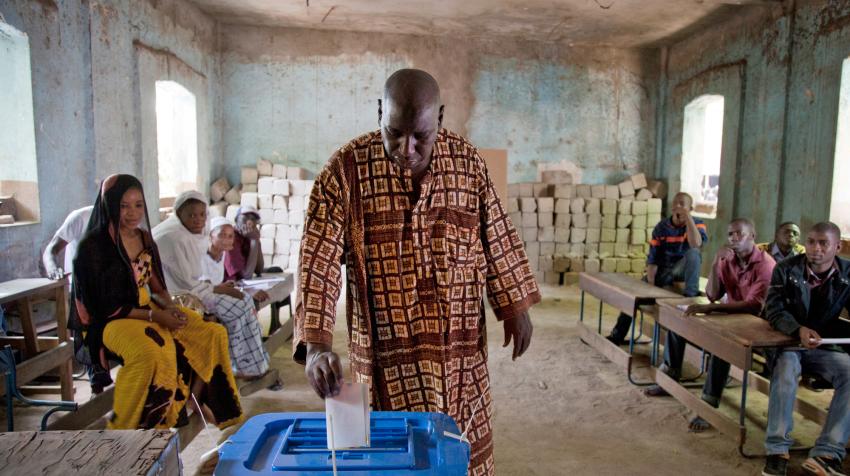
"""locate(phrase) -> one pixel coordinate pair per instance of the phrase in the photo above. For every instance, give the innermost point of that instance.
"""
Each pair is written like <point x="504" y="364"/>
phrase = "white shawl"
<point x="181" y="252"/>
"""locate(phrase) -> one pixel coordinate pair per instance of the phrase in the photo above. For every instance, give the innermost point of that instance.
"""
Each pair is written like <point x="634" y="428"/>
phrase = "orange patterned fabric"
<point x="416" y="276"/>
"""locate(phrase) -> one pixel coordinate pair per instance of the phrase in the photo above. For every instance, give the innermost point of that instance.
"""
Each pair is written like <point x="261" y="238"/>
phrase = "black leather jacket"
<point x="789" y="298"/>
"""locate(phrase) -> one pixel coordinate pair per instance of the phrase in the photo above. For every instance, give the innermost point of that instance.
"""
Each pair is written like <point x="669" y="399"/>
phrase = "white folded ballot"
<point x="838" y="340"/>
<point x="347" y="417"/>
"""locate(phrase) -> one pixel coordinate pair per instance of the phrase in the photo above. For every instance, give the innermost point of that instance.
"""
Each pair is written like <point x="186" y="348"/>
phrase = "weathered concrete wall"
<point x="780" y="71"/>
<point x="87" y="98"/>
<point x="299" y="94"/>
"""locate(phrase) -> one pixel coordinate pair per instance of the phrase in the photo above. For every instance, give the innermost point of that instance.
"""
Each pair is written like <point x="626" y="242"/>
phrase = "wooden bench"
<point x="91" y="415"/>
<point x="626" y="294"/>
<point x="733" y="338"/>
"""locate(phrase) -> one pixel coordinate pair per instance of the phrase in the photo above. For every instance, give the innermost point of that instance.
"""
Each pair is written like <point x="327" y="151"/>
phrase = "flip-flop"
<point x="698" y="425"/>
<point x="655" y="391"/>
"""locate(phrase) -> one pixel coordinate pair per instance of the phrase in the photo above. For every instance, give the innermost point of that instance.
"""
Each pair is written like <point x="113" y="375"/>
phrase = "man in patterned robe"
<point x="412" y="212"/>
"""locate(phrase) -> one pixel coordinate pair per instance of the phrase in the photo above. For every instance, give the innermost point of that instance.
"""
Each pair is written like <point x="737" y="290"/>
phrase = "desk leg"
<point x="30" y="335"/>
<point x="745" y="383"/>
<point x="581" y="309"/>
<point x="653" y="356"/>
<point x="599" y="325"/>
<point x="631" y="352"/>
<point x="66" y="370"/>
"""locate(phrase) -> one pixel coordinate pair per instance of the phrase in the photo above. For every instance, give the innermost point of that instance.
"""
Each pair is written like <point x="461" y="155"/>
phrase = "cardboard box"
<point x="563" y="249"/>
<point x="591" y="250"/>
<point x="547" y="248"/>
<point x="526" y="190"/>
<point x="576" y="250"/>
<point x="657" y="188"/>
<point x="577" y="265"/>
<point x="545" y="263"/>
<point x="557" y="177"/>
<point x="638" y="265"/>
<point x="512" y="205"/>
<point x="296" y="173"/>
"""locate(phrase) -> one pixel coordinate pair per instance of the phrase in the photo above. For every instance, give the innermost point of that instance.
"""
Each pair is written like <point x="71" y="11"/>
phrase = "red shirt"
<point x="234" y="260"/>
<point x="748" y="283"/>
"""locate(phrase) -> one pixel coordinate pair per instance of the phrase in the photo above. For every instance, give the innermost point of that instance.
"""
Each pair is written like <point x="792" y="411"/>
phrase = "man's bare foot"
<point x="698" y="425"/>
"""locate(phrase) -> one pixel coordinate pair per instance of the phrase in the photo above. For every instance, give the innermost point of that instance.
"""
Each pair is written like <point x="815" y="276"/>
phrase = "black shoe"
<point x="776" y="465"/>
<point x="655" y="391"/>
<point x="824" y="466"/>
<point x="618" y="341"/>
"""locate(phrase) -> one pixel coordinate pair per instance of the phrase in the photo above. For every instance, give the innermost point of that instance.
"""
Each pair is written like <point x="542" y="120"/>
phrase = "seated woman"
<point x="183" y="242"/>
<point x="123" y="304"/>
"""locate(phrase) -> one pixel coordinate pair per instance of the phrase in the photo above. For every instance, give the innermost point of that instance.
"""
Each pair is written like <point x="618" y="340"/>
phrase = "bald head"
<point x="411" y="116"/>
<point x="412" y="88"/>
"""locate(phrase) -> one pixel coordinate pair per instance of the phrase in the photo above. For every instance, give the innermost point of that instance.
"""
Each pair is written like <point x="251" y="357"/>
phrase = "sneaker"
<point x="775" y="465"/>
<point x="824" y="466"/>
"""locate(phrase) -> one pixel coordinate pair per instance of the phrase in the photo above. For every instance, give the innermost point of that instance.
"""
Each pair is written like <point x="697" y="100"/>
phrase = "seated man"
<point x="182" y="244"/>
<point x="807" y="293"/>
<point x="65" y="238"/>
<point x="246" y="258"/>
<point x="785" y="242"/>
<point x="674" y="254"/>
<point x="740" y="273"/>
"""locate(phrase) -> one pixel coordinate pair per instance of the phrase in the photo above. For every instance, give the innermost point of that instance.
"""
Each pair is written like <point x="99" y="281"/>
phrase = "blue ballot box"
<point x="290" y="444"/>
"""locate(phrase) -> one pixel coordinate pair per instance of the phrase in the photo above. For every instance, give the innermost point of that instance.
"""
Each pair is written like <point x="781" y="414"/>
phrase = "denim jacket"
<point x="789" y="298"/>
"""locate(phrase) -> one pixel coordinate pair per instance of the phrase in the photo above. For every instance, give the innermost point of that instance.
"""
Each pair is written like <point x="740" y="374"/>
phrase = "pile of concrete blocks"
<point x="280" y="194"/>
<point x="569" y="228"/>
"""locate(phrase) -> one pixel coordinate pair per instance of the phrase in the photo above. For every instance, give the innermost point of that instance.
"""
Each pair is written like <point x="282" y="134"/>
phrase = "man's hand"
<point x="809" y="338"/>
<point x="681" y="213"/>
<point x="261" y="296"/>
<point x="173" y="319"/>
<point x="694" y="309"/>
<point x="519" y="329"/>
<point x="323" y="370"/>
<point x="55" y="273"/>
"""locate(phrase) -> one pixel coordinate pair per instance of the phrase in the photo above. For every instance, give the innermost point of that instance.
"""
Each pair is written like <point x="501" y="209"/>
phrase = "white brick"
<point x="282" y="233"/>
<point x="643" y="195"/>
<point x="638" y="181"/>
<point x="232" y="210"/>
<point x="265" y="185"/>
<point x="296" y="173"/>
<point x="294" y="247"/>
<point x="624" y="207"/>
<point x="579" y="220"/>
<point x="545" y="219"/>
<point x="623" y="221"/>
<point x="248" y="200"/>
<point x="513" y="190"/>
<point x="562" y="249"/>
<point x="609" y="221"/>
<point x="545" y="204"/>
<point x="296" y="217"/>
<point x="296" y="203"/>
<point x="267" y="245"/>
<point x="546" y="234"/>
<point x="638" y="237"/>
<point x="612" y="192"/>
<point x="591" y="265"/>
<point x="526" y="190"/>
<point x="609" y="207"/>
<point x="279" y="202"/>
<point x="563" y="220"/>
<point x="528" y="219"/>
<point x="268" y="230"/>
<point x="609" y="265"/>
<point x="542" y="189"/>
<point x="279" y="171"/>
<point x="547" y="248"/>
<point x="562" y="235"/>
<point x="592" y="236"/>
<point x="281" y="187"/>
<point x="639" y="221"/>
<point x="532" y="248"/>
<point x="249" y="187"/>
<point x="577" y="205"/>
<point x="545" y="263"/>
<point x="639" y="208"/>
<point x="265" y="200"/>
<point x="562" y="205"/>
<point x="529" y="233"/>
<point x="577" y="235"/>
<point x="557" y="177"/>
<point x="576" y="250"/>
<point x="583" y="191"/>
<point x="281" y="216"/>
<point x="266" y="215"/>
<point x="565" y="191"/>
<point x="512" y="205"/>
<point x="561" y="264"/>
<point x="594" y="221"/>
<point x="281" y="261"/>
<point x="626" y="188"/>
<point x="302" y="187"/>
<point x="527" y="204"/>
<point x="264" y="167"/>
<point x="593" y="206"/>
<point x="606" y="250"/>
<point x="622" y="235"/>
<point x="608" y="235"/>
<point x="249" y="175"/>
<point x="293" y="262"/>
<point x="653" y="205"/>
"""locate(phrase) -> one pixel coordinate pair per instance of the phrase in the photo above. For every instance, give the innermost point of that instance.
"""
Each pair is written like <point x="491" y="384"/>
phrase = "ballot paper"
<point x="843" y="340"/>
<point x="261" y="283"/>
<point x="347" y="417"/>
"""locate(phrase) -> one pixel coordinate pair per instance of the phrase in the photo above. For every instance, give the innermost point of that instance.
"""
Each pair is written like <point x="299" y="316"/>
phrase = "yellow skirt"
<point x="153" y="384"/>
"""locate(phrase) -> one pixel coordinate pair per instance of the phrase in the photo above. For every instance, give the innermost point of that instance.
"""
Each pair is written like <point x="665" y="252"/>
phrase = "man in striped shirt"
<point x="674" y="255"/>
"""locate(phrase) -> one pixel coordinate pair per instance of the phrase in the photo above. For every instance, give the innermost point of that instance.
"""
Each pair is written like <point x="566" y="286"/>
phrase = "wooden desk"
<point x="731" y="337"/>
<point x="626" y="294"/>
<point x="42" y="353"/>
<point x="139" y="452"/>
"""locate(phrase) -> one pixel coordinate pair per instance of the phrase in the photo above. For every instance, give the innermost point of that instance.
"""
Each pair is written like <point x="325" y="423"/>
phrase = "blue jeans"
<point x="687" y="269"/>
<point x="832" y="366"/>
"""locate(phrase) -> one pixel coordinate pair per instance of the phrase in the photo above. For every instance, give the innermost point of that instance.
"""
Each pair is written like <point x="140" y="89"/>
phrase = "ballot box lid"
<point x="290" y="444"/>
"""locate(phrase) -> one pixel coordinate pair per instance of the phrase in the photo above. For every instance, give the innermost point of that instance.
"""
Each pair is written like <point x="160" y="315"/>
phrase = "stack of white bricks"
<point x="570" y="228"/>
<point x="280" y="194"/>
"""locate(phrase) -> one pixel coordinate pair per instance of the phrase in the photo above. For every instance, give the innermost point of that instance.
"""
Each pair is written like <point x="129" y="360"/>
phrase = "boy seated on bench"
<point x="674" y="254"/>
<point x="741" y="274"/>
<point x="807" y="293"/>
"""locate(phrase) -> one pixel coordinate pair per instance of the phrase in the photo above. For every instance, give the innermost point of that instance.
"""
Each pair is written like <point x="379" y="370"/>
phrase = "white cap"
<point x="218" y="222"/>
<point x="248" y="209"/>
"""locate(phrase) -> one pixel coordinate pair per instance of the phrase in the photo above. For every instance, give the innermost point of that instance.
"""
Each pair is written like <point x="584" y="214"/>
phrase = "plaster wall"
<point x="295" y="95"/>
<point x="87" y="87"/>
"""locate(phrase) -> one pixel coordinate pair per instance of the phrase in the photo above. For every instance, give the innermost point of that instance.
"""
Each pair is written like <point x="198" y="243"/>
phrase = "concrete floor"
<point x="562" y="408"/>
